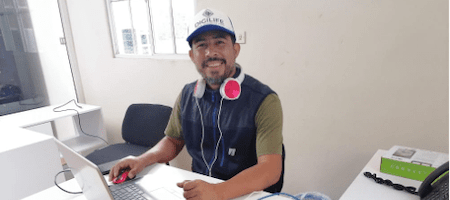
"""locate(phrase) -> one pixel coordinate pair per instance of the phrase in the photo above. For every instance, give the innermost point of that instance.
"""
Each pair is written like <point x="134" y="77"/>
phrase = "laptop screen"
<point x="87" y="174"/>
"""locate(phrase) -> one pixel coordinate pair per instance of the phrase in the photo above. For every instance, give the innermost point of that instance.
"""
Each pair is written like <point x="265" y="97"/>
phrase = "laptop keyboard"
<point x="126" y="192"/>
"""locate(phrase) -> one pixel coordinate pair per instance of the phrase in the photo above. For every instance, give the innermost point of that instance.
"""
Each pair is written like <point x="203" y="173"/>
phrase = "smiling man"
<point x="214" y="54"/>
<point x="230" y="123"/>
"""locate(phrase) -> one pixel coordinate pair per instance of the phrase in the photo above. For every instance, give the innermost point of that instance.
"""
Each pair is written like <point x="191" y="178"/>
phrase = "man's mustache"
<point x="213" y="59"/>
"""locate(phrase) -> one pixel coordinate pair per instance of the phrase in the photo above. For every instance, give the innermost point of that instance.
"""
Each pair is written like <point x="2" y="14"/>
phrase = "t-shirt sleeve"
<point x="269" y="125"/>
<point x="174" y="128"/>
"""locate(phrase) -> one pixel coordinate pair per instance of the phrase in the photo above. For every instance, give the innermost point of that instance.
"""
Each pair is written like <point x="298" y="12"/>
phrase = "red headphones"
<point x="229" y="90"/>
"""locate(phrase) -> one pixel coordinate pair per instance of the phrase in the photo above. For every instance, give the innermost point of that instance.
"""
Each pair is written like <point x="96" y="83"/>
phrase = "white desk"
<point x="367" y="189"/>
<point x="156" y="176"/>
<point x="29" y="162"/>
<point x="91" y="121"/>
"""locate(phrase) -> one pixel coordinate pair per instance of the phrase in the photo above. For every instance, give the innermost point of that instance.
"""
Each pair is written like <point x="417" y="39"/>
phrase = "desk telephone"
<point x="435" y="186"/>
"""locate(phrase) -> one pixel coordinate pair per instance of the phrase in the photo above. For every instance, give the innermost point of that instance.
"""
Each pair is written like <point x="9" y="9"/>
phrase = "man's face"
<point x="214" y="55"/>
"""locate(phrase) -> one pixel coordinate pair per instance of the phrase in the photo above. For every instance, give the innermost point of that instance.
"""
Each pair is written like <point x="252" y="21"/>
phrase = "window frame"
<point x="150" y="39"/>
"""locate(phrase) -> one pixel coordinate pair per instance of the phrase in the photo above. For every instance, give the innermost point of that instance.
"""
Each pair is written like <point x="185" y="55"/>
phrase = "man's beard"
<point x="215" y="81"/>
<point x="218" y="80"/>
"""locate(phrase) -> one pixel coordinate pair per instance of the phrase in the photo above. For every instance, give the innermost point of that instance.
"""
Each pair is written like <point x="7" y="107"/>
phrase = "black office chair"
<point x="143" y="127"/>
<point x="279" y="185"/>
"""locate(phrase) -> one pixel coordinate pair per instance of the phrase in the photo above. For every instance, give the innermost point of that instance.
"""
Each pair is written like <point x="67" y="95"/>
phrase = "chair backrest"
<point x="144" y="124"/>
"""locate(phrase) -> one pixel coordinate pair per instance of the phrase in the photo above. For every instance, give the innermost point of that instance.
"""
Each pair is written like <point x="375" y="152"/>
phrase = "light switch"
<point x="240" y="37"/>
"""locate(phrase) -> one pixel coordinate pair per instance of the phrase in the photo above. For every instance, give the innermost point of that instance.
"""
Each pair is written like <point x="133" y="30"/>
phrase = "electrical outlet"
<point x="240" y="37"/>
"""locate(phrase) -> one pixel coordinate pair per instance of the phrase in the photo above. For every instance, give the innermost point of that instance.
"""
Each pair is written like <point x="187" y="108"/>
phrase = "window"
<point x="150" y="27"/>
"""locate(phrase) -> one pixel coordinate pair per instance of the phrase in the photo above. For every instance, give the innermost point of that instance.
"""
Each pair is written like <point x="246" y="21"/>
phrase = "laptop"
<point x="94" y="186"/>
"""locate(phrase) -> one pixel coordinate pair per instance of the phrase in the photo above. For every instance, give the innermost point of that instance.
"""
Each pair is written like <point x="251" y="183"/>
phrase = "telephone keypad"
<point x="440" y="193"/>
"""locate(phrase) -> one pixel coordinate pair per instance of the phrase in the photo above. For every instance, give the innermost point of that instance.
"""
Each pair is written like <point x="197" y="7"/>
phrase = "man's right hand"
<point x="131" y="162"/>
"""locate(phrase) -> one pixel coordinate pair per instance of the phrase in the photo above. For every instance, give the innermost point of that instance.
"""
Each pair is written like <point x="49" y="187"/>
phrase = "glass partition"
<point x="22" y="85"/>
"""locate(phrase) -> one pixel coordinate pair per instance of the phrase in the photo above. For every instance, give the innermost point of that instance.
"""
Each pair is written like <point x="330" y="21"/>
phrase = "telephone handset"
<point x="435" y="186"/>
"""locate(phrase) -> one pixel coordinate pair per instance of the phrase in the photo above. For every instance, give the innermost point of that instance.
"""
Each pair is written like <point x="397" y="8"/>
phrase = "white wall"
<point x="353" y="77"/>
<point x="115" y="83"/>
<point x="53" y="57"/>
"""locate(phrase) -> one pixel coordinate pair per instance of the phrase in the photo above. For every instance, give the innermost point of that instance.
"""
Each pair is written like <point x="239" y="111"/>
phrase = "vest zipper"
<point x="214" y="125"/>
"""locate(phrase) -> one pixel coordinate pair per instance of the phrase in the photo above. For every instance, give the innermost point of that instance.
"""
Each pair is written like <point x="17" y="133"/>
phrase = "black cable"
<point x="409" y="189"/>
<point x="79" y="120"/>
<point x="67" y="170"/>
<point x="66" y="104"/>
<point x="67" y="50"/>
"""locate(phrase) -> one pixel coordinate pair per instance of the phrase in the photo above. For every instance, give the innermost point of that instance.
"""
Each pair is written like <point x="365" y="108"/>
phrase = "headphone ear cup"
<point x="230" y="89"/>
<point x="199" y="89"/>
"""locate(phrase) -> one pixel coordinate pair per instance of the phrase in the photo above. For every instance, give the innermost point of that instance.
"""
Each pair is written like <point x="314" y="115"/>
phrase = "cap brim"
<point x="207" y="28"/>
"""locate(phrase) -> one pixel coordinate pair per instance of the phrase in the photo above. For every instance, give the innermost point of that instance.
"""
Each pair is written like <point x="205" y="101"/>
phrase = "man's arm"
<point x="258" y="177"/>
<point x="166" y="149"/>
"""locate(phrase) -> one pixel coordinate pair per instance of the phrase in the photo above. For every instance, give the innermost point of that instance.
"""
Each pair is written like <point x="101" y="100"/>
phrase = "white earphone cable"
<point x="203" y="136"/>
<point x="220" y="138"/>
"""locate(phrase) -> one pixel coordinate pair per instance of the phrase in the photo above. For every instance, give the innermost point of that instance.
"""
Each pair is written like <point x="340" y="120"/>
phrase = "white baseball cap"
<point x="209" y="20"/>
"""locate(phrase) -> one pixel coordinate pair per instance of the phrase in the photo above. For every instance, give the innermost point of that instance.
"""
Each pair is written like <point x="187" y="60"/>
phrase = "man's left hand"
<point x="198" y="189"/>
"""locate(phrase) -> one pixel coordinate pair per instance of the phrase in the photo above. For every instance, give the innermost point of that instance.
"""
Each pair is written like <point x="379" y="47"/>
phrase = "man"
<point x="230" y="122"/>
